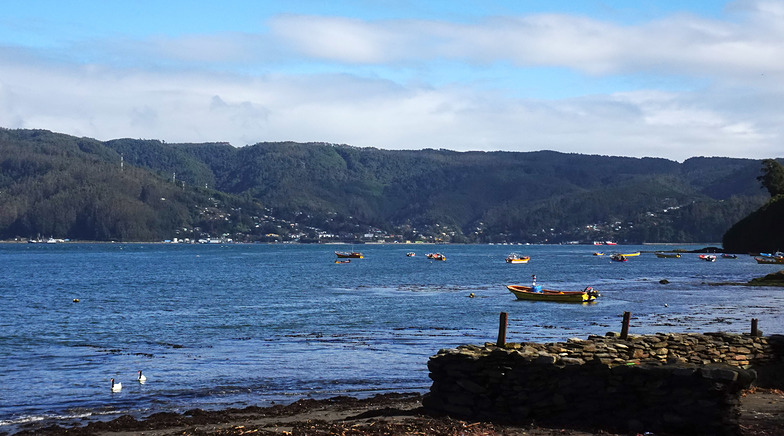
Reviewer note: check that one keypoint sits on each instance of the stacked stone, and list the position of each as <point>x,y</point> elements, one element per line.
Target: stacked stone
<point>740,350</point>
<point>680,383</point>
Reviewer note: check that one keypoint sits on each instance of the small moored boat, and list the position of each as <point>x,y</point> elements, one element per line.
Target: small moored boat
<point>351,255</point>
<point>708,257</point>
<point>729,256</point>
<point>516,258</point>
<point>770,260</point>
<point>435,256</point>
<point>617,257</point>
<point>536,293</point>
<point>410,254</point>
<point>668,255</point>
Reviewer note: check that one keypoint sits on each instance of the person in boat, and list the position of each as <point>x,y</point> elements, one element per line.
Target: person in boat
<point>591,291</point>
<point>534,287</point>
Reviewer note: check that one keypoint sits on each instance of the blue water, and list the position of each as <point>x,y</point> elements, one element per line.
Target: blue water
<point>233,325</point>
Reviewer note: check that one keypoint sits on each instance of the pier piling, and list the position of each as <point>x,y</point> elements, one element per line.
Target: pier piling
<point>627,316</point>
<point>502,330</point>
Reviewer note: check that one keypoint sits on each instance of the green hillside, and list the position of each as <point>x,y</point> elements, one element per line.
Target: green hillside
<point>54,185</point>
<point>491,196</point>
<point>62,186</point>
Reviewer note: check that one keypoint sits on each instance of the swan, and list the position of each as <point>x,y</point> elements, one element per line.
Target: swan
<point>142,378</point>
<point>116,387</point>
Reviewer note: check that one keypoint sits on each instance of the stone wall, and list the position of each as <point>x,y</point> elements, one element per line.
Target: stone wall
<point>677,383</point>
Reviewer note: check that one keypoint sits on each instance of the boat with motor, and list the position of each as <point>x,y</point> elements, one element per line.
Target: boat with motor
<point>537,293</point>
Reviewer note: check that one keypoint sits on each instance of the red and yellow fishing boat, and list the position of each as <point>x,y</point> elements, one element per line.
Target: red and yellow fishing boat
<point>351,255</point>
<point>536,293</point>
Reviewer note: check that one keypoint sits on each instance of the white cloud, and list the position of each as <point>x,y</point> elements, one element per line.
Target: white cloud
<point>341,39</point>
<point>184,90</point>
<point>676,45</point>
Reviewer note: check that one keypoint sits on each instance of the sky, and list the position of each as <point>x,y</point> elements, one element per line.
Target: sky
<point>645,78</point>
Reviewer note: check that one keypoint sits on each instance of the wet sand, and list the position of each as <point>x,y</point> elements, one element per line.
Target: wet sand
<point>762,414</point>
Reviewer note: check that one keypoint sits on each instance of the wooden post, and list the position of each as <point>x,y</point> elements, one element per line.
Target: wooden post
<point>502,331</point>
<point>627,316</point>
<point>754,331</point>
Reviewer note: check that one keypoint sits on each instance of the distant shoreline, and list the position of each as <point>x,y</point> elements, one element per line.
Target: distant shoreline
<point>511,244</point>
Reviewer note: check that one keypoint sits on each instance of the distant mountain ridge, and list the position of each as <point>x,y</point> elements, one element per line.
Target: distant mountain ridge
<point>542,196</point>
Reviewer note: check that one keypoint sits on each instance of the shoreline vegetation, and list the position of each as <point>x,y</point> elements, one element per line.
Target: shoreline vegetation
<point>762,413</point>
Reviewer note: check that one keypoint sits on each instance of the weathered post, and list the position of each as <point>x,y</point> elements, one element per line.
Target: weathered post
<point>754,331</point>
<point>627,316</point>
<point>502,331</point>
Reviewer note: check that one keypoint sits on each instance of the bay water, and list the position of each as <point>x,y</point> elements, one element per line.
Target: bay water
<point>214,326</point>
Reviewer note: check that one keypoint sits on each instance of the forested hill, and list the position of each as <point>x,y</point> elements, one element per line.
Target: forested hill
<point>338,191</point>
<point>762,230</point>
<point>58,186</point>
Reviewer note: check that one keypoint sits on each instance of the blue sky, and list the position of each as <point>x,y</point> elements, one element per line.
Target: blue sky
<point>643,78</point>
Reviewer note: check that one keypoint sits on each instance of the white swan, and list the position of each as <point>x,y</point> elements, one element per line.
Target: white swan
<point>116,387</point>
<point>142,378</point>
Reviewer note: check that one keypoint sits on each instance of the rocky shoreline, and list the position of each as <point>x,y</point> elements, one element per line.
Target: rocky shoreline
<point>762,414</point>
<point>772,279</point>
<point>760,410</point>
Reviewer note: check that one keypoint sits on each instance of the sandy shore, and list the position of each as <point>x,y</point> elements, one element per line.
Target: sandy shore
<point>762,413</point>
